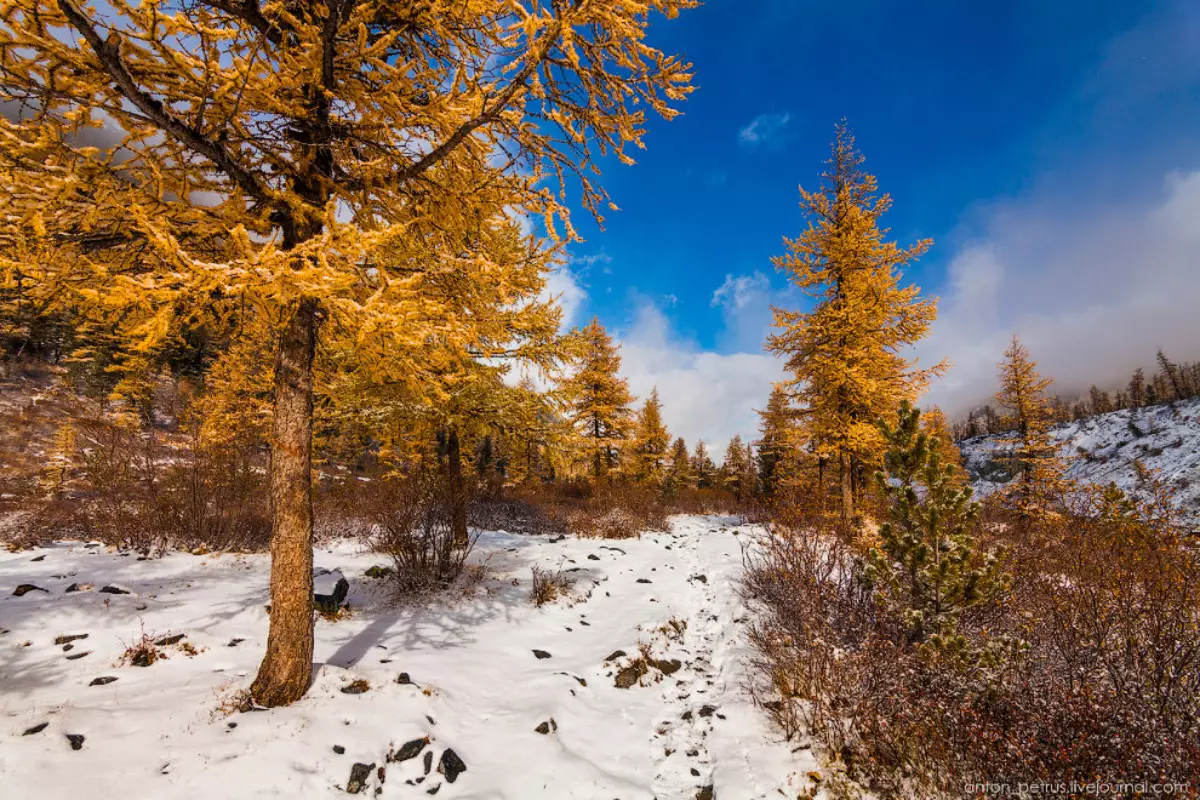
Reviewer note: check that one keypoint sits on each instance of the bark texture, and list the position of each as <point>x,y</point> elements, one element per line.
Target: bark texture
<point>286,670</point>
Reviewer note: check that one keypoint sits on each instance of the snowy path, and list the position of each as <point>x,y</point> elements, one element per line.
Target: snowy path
<point>685,727</point>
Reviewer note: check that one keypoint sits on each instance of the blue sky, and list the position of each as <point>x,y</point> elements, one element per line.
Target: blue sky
<point>986,121</point>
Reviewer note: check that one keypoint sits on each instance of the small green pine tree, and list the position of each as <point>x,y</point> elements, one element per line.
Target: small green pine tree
<point>928,564</point>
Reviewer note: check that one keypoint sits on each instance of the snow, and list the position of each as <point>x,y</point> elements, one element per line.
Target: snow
<point>1102,449</point>
<point>164,731</point>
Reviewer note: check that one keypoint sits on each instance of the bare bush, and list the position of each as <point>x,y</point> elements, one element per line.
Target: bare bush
<point>547,586</point>
<point>414,526</point>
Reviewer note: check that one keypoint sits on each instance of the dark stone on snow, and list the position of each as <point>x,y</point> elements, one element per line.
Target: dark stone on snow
<point>341,751</point>
<point>615,655</point>
<point>235,642</point>
<point>378,572</point>
<point>330,603</point>
<point>76,740</point>
<point>707,711</point>
<point>434,790</point>
<point>231,725</point>
<point>410,750</point>
<point>687,715</point>
<point>428,763</point>
<point>357,687</point>
<point>359,775</point>
<point>667,667</point>
<point>75,656</point>
<point>76,587</point>
<point>644,580</point>
<point>102,681</point>
<point>541,654</point>
<point>26,588</point>
<point>35,729</point>
<point>705,793</point>
<point>546,727</point>
<point>556,539</point>
<point>593,557</point>
<point>113,590</point>
<point>170,640</point>
<point>73,637</point>
<point>701,578</point>
<point>451,765</point>
<point>39,558</point>
<point>403,678</point>
<point>695,772</point>
<point>629,676</point>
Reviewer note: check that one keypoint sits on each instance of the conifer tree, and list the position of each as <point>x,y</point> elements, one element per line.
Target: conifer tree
<point>704,472</point>
<point>775,442</point>
<point>928,563</point>
<point>733,468</point>
<point>306,158</point>
<point>848,355</point>
<point>1031,452</point>
<point>1173,378</point>
<point>651,441</point>
<point>1137,389</point>
<point>598,399</point>
<point>679,474</point>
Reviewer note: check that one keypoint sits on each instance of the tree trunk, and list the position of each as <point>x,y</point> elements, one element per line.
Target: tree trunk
<point>286,669</point>
<point>458,500</point>
<point>847,477</point>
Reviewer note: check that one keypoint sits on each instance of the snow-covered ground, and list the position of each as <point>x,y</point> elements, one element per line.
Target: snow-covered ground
<point>1165,439</point>
<point>477,686</point>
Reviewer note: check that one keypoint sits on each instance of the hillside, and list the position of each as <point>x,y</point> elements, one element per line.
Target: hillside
<point>1164,439</point>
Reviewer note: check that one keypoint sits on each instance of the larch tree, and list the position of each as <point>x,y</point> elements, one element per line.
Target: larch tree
<point>304,158</point>
<point>848,356</point>
<point>651,441</point>
<point>598,399</point>
<point>679,473</point>
<point>704,472</point>
<point>1031,451</point>
<point>737,470</point>
<point>776,442</point>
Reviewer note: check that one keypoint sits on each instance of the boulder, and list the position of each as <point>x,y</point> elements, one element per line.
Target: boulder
<point>541,654</point>
<point>410,750</point>
<point>113,589</point>
<point>330,588</point>
<point>359,775</point>
<point>35,729</point>
<point>76,740</point>
<point>102,681</point>
<point>26,588</point>
<point>451,765</point>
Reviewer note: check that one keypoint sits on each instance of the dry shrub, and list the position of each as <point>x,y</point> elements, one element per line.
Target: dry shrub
<point>547,586</point>
<point>142,653</point>
<point>1104,683</point>
<point>413,525</point>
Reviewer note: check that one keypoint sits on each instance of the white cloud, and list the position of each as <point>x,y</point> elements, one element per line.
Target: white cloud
<point>1092,292</point>
<point>763,129</point>
<point>563,284</point>
<point>705,395</point>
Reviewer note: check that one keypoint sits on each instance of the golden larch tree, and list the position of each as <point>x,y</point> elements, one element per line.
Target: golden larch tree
<point>651,441</point>
<point>307,158</point>
<point>1029,449</point>
<point>848,356</point>
<point>599,400</point>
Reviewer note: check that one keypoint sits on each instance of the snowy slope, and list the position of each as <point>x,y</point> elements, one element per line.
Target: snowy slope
<point>477,687</point>
<point>1102,449</point>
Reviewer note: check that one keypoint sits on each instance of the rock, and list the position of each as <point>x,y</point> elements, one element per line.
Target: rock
<point>706,793</point>
<point>667,667</point>
<point>629,676</point>
<point>76,656</point>
<point>403,679</point>
<point>166,641</point>
<point>26,588</point>
<point>341,751</point>
<point>359,775</point>
<point>451,765</point>
<point>235,642</point>
<point>541,654</point>
<point>615,655</point>
<point>359,686</point>
<point>39,558</point>
<point>378,572</point>
<point>434,790</point>
<point>701,578</point>
<point>644,580</point>
<point>102,681</point>
<point>556,539</point>
<point>410,750</point>
<point>687,715</point>
<point>428,761</point>
<point>707,711</point>
<point>695,772</point>
<point>72,637</point>
<point>329,590</point>
<point>593,557</point>
<point>546,727</point>
<point>35,729</point>
<point>76,740</point>
<point>111,589</point>
<point>78,587</point>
